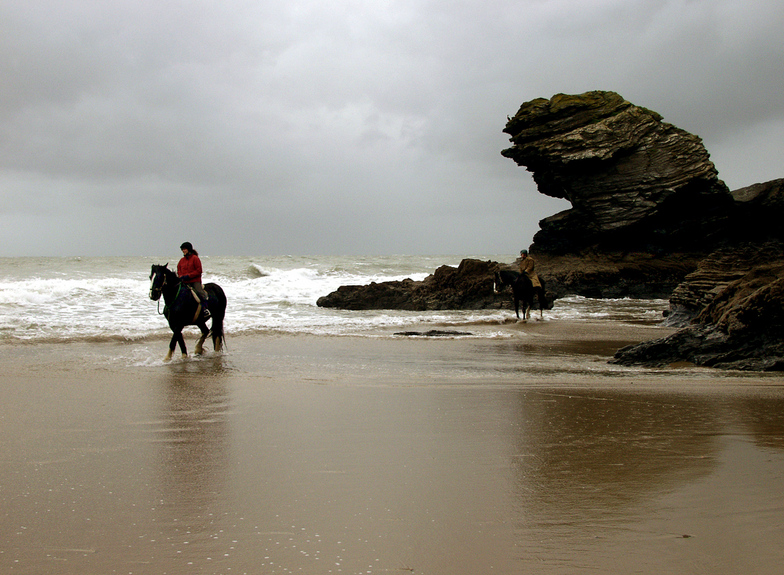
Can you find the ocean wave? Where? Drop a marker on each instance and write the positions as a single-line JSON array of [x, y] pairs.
[[255, 272], [107, 299]]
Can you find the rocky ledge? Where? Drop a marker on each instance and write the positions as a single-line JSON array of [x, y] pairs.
[[741, 328], [471, 284]]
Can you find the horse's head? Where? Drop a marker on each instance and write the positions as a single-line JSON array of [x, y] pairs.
[[158, 279], [504, 278]]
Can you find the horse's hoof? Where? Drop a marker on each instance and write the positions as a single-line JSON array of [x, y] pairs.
[[184, 356]]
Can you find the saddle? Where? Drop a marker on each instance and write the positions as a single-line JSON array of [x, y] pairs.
[[201, 309]]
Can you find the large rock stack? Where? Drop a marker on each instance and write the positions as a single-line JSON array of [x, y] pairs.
[[635, 182]]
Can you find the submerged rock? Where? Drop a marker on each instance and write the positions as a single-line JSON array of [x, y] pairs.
[[434, 333]]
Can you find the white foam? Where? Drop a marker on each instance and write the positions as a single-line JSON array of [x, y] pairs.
[[109, 298]]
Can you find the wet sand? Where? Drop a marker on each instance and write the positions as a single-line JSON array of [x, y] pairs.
[[299, 454]]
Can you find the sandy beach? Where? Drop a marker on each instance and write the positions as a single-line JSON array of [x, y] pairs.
[[316, 455]]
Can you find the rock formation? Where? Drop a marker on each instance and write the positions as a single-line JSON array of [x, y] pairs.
[[635, 182], [468, 286], [741, 328], [649, 218]]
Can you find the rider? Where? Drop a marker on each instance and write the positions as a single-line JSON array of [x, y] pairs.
[[527, 264], [189, 271]]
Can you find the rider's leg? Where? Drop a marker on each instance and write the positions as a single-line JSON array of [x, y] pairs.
[[202, 293]]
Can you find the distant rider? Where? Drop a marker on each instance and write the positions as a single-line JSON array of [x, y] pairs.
[[189, 271], [527, 264]]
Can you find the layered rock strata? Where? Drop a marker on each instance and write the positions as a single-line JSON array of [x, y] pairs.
[[741, 328], [635, 183]]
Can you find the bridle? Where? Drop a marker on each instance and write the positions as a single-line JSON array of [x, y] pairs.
[[157, 290]]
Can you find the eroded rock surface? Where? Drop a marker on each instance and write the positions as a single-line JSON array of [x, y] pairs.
[[741, 328], [634, 181]]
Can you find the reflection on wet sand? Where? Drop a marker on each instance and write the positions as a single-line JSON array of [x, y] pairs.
[[297, 455], [763, 417], [605, 474], [590, 455], [191, 437], [193, 443]]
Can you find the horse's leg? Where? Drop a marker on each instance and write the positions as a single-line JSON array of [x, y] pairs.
[[200, 344], [172, 345], [177, 338], [183, 349], [542, 302], [517, 307]]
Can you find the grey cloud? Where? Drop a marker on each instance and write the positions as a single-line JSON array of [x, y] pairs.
[[343, 127]]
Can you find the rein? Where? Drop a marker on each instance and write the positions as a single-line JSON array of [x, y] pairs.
[[179, 289]]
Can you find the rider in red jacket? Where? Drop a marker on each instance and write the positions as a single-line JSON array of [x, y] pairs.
[[189, 271]]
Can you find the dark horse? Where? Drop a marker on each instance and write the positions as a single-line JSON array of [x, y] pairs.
[[523, 291], [183, 308]]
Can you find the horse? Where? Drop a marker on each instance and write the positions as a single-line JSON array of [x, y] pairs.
[[523, 291], [184, 308]]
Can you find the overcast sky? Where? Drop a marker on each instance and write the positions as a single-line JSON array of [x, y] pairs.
[[344, 127]]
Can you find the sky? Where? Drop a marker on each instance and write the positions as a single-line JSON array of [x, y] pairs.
[[344, 127]]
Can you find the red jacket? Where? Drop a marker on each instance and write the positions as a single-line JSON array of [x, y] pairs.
[[189, 268]]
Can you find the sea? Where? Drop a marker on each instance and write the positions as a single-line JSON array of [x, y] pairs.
[[323, 441], [94, 299]]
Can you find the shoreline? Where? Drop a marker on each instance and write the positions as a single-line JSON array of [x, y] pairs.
[[375, 455]]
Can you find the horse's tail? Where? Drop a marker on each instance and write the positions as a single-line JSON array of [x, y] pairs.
[[218, 312], [545, 301]]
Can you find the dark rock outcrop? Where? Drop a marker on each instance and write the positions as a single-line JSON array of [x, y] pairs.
[[741, 328], [471, 284], [614, 275], [757, 212], [468, 286], [755, 237], [635, 182], [715, 273], [644, 194]]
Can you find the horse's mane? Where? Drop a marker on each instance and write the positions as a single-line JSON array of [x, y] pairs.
[[508, 276], [170, 274]]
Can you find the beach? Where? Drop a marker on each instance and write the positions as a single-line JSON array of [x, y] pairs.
[[387, 454]]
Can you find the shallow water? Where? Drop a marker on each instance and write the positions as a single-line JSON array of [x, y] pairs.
[[44, 300], [303, 454]]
